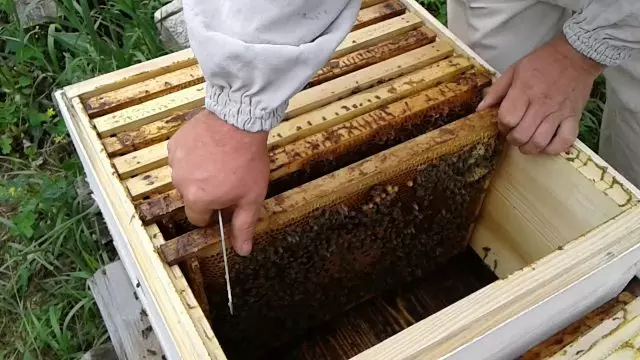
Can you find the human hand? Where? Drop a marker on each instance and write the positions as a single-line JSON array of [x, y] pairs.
[[217, 166], [542, 97]]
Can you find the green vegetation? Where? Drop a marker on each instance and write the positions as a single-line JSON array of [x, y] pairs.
[[50, 231]]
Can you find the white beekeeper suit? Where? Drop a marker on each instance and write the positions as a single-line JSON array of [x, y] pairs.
[[255, 55], [607, 31]]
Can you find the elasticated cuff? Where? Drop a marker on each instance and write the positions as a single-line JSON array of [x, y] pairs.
[[242, 112], [592, 46]]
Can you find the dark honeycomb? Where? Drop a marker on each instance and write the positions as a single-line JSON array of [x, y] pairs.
[[388, 313], [383, 138], [310, 271]]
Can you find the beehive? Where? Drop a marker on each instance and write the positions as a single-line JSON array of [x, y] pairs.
[[377, 214]]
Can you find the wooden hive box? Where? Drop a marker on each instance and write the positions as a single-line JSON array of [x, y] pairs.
[[398, 225]]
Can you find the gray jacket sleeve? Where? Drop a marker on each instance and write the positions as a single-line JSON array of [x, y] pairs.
[[255, 55], [607, 31]]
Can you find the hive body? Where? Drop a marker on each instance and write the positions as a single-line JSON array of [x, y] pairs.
[[393, 206], [397, 224], [377, 174], [377, 223]]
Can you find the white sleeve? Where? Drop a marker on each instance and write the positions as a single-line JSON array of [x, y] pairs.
[[255, 55], [607, 31]]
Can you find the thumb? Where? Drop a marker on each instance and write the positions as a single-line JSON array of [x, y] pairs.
[[243, 224], [498, 91]]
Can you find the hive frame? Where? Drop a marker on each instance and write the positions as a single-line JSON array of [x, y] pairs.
[[185, 334]]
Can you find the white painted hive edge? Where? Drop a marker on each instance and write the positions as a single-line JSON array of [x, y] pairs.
[[561, 309], [155, 317]]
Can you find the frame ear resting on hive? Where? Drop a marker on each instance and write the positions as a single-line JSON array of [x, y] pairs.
[[331, 243]]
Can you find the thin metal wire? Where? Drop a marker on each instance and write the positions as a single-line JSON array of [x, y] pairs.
[[226, 266]]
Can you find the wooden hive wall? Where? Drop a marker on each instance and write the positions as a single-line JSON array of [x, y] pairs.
[[393, 93]]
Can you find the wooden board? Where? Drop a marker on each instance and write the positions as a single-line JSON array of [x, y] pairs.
[[574, 341], [301, 201], [192, 97], [126, 320], [342, 142], [159, 180], [374, 14], [128, 141], [171, 81], [369, 3], [157, 131], [376, 33], [595, 261], [371, 55], [138, 93]]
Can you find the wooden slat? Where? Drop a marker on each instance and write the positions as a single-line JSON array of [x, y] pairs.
[[143, 91], [192, 97], [377, 13], [363, 79], [135, 116], [146, 135], [159, 206], [159, 180], [377, 33], [153, 209], [128, 141], [154, 181], [368, 3], [344, 86], [291, 157], [124, 317], [137, 162], [373, 55], [302, 200], [365, 130], [444, 34], [192, 269], [131, 75], [163, 84], [365, 101], [154, 156]]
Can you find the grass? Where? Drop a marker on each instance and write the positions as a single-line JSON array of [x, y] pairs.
[[50, 231]]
